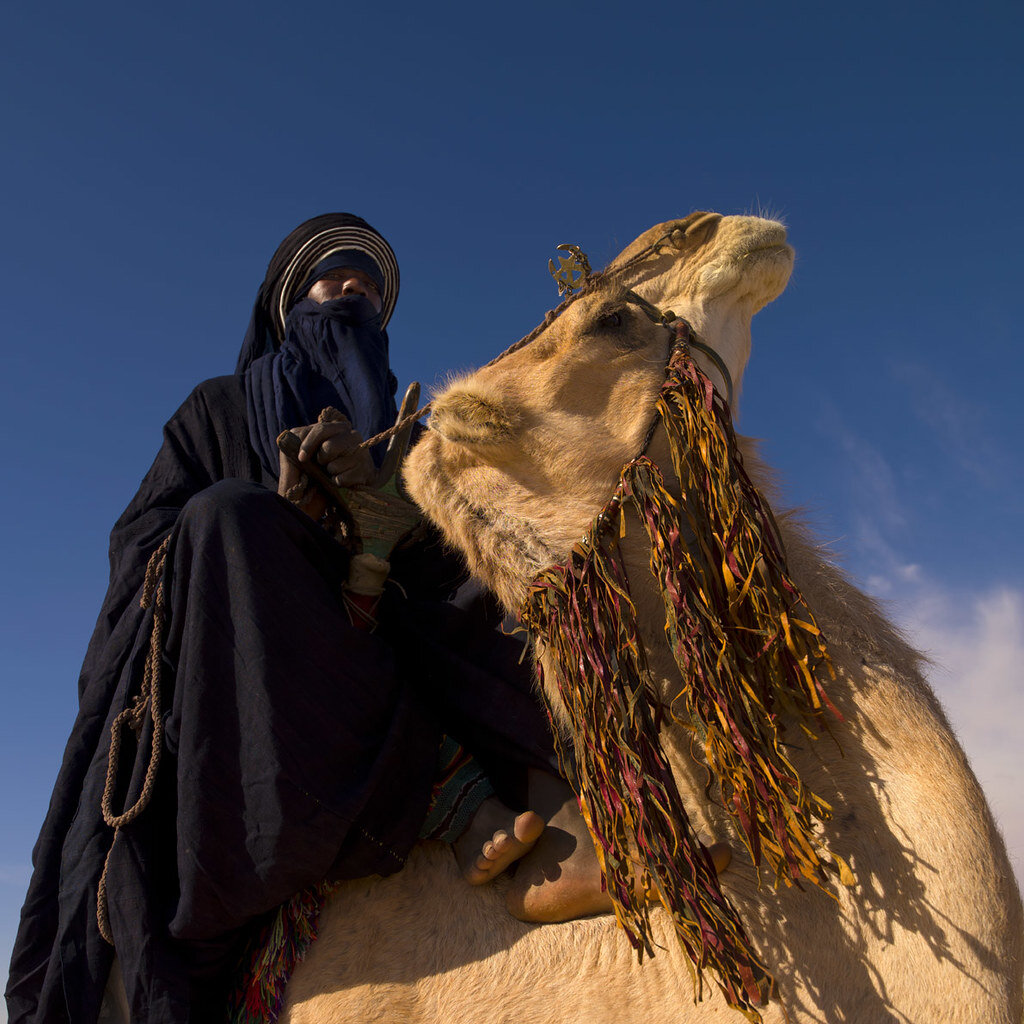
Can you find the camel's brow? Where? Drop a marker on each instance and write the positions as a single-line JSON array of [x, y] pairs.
[[602, 282]]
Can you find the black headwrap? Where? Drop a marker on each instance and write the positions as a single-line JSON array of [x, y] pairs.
[[299, 356]]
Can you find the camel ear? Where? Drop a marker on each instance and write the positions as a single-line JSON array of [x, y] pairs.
[[672, 231], [467, 418]]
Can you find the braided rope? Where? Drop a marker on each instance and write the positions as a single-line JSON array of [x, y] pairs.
[[397, 427], [148, 701]]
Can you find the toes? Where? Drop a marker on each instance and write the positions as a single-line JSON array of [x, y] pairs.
[[478, 875], [504, 847], [528, 827], [492, 850]]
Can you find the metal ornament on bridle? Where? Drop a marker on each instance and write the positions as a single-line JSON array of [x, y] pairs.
[[572, 270]]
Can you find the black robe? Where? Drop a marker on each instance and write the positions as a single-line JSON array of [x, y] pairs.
[[297, 747]]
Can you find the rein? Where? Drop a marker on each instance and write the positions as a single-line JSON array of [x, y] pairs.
[[686, 336], [587, 282], [684, 340]]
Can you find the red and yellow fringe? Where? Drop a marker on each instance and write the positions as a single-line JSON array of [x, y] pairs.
[[751, 657], [273, 955]]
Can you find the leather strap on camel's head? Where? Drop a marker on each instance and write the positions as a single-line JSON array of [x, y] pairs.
[[573, 272], [574, 276], [685, 337]]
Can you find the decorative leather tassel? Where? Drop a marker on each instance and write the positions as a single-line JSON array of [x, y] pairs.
[[748, 652]]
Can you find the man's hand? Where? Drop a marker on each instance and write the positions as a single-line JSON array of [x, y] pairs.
[[334, 444]]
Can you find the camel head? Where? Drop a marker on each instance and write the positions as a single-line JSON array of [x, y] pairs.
[[716, 272], [523, 453]]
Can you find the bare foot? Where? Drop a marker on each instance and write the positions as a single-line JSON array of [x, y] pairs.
[[560, 878], [495, 838]]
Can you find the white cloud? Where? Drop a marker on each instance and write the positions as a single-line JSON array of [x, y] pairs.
[[976, 643], [874, 484], [975, 639], [978, 647]]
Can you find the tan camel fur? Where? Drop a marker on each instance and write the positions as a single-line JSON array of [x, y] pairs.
[[520, 457]]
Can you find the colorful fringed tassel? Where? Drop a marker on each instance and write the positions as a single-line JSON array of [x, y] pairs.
[[273, 954], [748, 651], [747, 645], [643, 837]]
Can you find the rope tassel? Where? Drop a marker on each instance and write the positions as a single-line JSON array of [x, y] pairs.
[[749, 654], [148, 703]]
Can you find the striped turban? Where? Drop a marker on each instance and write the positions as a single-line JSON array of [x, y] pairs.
[[311, 244]]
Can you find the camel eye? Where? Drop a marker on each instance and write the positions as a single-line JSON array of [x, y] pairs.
[[610, 321]]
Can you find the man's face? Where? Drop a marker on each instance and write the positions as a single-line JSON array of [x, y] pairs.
[[345, 281]]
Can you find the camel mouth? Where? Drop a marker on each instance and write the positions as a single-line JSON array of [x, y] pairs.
[[769, 240], [773, 242], [774, 259], [758, 265], [778, 249]]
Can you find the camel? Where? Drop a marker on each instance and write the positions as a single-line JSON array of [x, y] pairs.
[[520, 457]]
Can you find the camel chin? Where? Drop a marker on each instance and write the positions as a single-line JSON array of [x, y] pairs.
[[523, 455]]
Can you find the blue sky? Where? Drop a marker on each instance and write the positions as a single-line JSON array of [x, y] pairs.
[[153, 158]]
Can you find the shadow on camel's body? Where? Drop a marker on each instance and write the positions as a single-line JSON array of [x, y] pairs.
[[931, 931]]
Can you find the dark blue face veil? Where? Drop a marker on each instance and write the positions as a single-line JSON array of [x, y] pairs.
[[318, 355], [334, 353]]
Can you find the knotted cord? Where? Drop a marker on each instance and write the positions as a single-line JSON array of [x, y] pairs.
[[147, 704]]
